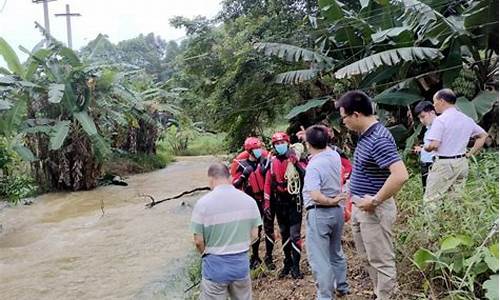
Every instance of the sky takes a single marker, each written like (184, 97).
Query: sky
(120, 20)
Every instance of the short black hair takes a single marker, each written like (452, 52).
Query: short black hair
(317, 136)
(218, 170)
(355, 101)
(446, 95)
(424, 106)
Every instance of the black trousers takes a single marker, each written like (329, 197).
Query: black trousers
(268, 222)
(424, 170)
(288, 209)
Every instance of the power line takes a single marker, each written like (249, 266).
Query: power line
(257, 105)
(382, 9)
(3, 6)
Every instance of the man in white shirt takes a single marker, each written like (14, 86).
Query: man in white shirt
(449, 135)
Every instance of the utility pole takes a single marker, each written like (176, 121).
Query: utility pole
(45, 15)
(68, 16)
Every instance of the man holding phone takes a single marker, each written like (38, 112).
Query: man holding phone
(378, 174)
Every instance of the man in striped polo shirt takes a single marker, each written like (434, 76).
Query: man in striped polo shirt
(378, 173)
(224, 222)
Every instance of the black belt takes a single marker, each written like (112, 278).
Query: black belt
(319, 206)
(451, 157)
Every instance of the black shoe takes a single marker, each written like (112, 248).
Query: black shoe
(269, 264)
(255, 262)
(340, 293)
(296, 274)
(285, 271)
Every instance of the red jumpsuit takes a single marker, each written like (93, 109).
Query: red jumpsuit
(252, 185)
(287, 208)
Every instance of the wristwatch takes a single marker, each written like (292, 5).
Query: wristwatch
(376, 201)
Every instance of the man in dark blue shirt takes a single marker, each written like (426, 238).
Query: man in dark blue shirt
(378, 173)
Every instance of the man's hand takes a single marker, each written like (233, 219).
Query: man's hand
(337, 199)
(199, 243)
(321, 199)
(301, 135)
(432, 146)
(367, 204)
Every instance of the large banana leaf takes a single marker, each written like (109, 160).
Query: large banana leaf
(36, 59)
(292, 53)
(5, 105)
(70, 57)
(427, 22)
(378, 77)
(101, 147)
(86, 122)
(401, 97)
(313, 103)
(479, 106)
(484, 102)
(13, 117)
(8, 80)
(467, 107)
(24, 152)
(331, 10)
(482, 17)
(395, 33)
(10, 58)
(59, 134)
(56, 92)
(388, 58)
(297, 76)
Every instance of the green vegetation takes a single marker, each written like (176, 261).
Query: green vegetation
(126, 163)
(453, 254)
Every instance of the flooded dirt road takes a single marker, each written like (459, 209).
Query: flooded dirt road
(62, 248)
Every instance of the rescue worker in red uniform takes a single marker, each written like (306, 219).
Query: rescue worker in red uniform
(249, 176)
(287, 207)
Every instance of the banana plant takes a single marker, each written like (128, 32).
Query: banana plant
(62, 82)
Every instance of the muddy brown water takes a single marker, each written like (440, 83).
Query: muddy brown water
(62, 247)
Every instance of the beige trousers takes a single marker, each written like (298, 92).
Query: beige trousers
(236, 290)
(445, 176)
(372, 234)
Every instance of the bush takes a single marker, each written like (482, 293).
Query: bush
(205, 144)
(18, 186)
(190, 143)
(449, 256)
(126, 163)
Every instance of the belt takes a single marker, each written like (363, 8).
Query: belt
(451, 157)
(319, 206)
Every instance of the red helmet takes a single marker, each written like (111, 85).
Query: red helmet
(280, 136)
(252, 143)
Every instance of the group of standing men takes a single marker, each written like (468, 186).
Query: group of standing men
(226, 220)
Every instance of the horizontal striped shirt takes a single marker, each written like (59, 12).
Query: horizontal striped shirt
(225, 217)
(375, 152)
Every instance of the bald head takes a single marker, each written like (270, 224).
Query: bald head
(444, 99)
(218, 171)
(446, 95)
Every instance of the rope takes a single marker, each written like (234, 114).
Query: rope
(292, 175)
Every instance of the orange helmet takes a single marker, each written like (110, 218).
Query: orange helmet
(280, 136)
(252, 143)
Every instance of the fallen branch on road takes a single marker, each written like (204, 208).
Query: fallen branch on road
(154, 202)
